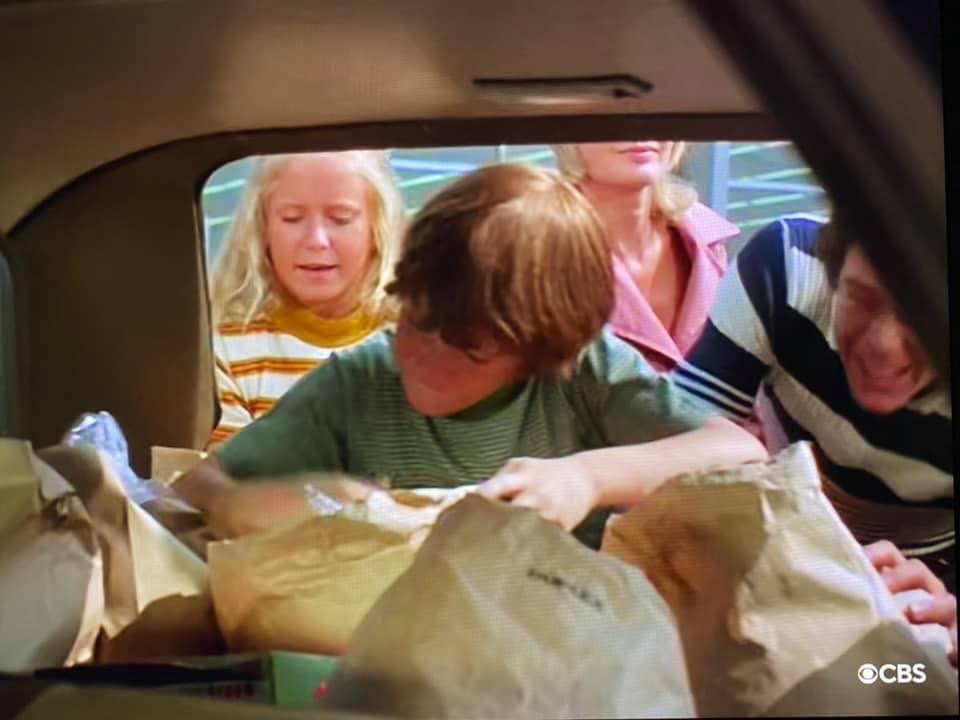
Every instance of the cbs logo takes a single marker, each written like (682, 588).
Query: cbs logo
(888, 674)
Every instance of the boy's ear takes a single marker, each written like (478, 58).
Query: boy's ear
(487, 346)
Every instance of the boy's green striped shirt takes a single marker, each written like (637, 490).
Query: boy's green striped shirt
(350, 415)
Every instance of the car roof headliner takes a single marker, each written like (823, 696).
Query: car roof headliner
(87, 82)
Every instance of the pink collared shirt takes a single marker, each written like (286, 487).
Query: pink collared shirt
(705, 234)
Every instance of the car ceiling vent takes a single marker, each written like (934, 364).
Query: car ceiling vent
(592, 90)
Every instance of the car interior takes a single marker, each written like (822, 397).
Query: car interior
(116, 113)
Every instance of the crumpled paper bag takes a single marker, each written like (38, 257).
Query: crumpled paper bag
(175, 626)
(111, 558)
(769, 589)
(838, 688)
(100, 432)
(504, 615)
(181, 519)
(306, 586)
(51, 567)
(167, 464)
(142, 561)
(20, 496)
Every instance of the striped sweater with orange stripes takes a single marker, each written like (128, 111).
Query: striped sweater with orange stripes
(258, 362)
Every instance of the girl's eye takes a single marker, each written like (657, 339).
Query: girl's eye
(291, 219)
(342, 219)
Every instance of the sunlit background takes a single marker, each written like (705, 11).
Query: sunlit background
(749, 183)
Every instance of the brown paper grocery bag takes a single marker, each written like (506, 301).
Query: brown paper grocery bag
(20, 496)
(167, 464)
(184, 521)
(767, 585)
(142, 561)
(839, 688)
(175, 626)
(306, 585)
(112, 559)
(504, 615)
(82, 468)
(303, 587)
(51, 567)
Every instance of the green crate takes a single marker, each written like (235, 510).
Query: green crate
(281, 679)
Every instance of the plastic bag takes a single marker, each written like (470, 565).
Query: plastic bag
(102, 431)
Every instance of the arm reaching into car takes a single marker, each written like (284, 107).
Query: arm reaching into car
(902, 574)
(564, 490)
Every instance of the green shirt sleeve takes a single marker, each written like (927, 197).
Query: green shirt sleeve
(302, 433)
(629, 402)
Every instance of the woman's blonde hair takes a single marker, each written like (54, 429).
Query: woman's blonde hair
(244, 286)
(672, 197)
(513, 252)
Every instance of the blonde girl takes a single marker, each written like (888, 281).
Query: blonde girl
(310, 251)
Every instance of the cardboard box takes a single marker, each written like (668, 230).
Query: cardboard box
(281, 679)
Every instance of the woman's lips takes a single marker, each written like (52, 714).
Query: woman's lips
(316, 268)
(641, 154)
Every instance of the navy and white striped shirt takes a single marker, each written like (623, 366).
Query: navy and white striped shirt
(771, 330)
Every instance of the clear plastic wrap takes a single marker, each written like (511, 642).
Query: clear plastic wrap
(102, 431)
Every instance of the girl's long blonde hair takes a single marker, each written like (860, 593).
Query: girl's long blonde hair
(244, 287)
(672, 197)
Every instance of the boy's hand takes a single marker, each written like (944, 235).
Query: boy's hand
(902, 575)
(557, 488)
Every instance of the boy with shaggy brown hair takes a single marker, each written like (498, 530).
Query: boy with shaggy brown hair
(499, 371)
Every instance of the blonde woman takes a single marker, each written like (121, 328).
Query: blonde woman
(308, 256)
(668, 249)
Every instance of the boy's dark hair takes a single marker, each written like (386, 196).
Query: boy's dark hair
(833, 242)
(511, 252)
